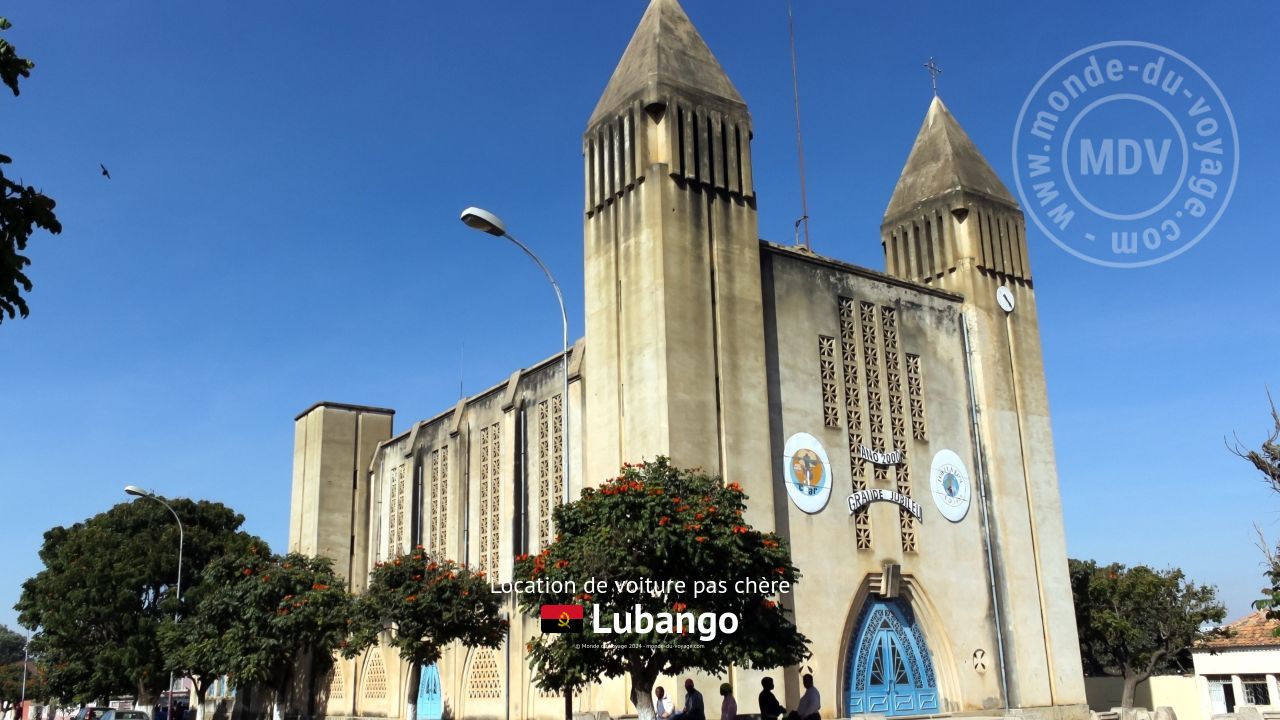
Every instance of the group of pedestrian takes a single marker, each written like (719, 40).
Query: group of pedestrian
(809, 707)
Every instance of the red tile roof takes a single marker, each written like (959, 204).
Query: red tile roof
(1252, 630)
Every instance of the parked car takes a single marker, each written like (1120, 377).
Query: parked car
(125, 715)
(90, 713)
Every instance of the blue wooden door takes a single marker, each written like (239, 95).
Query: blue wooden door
(890, 669)
(430, 696)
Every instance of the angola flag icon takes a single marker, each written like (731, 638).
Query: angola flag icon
(561, 618)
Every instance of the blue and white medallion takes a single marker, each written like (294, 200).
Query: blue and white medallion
(808, 472)
(949, 481)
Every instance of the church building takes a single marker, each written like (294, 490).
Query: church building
(892, 425)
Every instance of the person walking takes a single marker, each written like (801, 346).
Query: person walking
(770, 708)
(728, 706)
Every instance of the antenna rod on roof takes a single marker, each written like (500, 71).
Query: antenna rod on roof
(795, 87)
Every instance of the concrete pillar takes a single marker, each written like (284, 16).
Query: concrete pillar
(333, 445)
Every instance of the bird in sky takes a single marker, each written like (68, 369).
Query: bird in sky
(105, 174)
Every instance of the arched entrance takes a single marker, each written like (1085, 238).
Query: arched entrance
(890, 670)
(430, 695)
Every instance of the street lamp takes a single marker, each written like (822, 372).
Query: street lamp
(485, 221)
(26, 659)
(139, 492)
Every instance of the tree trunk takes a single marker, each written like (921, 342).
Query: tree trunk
(642, 693)
(281, 694)
(1131, 682)
(568, 705)
(411, 692)
(201, 688)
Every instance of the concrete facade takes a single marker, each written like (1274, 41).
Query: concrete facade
(705, 344)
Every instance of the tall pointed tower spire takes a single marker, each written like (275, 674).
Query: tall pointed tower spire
(665, 53)
(945, 183)
(672, 266)
(952, 224)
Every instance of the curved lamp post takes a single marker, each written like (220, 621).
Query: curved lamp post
(139, 492)
(485, 221)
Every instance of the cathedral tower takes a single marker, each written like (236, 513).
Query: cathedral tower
(675, 364)
(952, 224)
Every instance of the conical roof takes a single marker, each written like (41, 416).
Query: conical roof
(943, 159)
(666, 50)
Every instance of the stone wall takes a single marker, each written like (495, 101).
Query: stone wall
(1176, 691)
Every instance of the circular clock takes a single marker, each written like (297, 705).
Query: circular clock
(1004, 298)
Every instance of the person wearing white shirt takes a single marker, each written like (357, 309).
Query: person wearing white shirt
(810, 702)
(663, 706)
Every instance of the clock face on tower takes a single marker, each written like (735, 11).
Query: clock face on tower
(1004, 298)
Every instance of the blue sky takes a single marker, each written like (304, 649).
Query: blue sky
(281, 228)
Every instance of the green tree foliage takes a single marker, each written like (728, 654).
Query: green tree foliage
(107, 586)
(12, 657)
(262, 614)
(22, 208)
(12, 646)
(12, 681)
(661, 523)
(424, 604)
(1135, 622)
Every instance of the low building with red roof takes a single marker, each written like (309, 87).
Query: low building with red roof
(1241, 667)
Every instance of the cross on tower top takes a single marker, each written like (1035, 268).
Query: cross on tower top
(934, 72)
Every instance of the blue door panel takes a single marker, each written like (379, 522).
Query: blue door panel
(890, 670)
(430, 696)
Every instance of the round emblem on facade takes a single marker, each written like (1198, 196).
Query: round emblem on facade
(949, 481)
(807, 471)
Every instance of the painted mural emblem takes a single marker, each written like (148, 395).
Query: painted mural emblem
(808, 472)
(949, 481)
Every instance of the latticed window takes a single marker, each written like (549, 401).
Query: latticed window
(915, 395)
(853, 415)
(337, 685)
(550, 464)
(438, 526)
(897, 420)
(490, 498)
(374, 684)
(875, 399)
(483, 681)
(827, 373)
(396, 511)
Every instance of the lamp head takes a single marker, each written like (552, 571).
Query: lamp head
(481, 219)
(136, 491)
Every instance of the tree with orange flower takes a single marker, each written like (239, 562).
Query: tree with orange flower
(260, 618)
(418, 604)
(659, 522)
